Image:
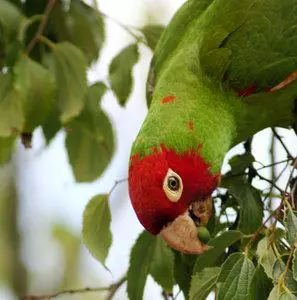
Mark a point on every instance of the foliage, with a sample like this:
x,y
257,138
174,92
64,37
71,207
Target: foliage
x,y
45,52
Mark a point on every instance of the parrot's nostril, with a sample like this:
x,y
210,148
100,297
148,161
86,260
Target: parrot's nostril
x,y
194,218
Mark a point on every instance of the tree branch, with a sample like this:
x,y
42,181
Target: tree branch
x,y
36,38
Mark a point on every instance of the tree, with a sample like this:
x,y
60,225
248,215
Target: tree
x,y
46,46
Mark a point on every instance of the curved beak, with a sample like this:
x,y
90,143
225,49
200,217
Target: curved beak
x,y
182,233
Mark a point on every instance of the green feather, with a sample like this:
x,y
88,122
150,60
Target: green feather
x,y
208,51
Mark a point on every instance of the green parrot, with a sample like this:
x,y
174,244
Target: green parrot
x,y
222,71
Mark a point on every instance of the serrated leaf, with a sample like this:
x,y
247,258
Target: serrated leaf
x,y
266,256
152,34
6,148
203,282
240,272
11,106
120,72
240,163
146,254
37,84
10,17
90,140
219,244
249,200
70,73
291,226
260,286
96,234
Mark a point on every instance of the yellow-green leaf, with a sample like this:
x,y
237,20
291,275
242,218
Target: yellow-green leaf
x,y
70,73
11,106
96,234
6,148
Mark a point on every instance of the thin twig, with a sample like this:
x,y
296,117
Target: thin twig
x,y
114,287
116,183
111,289
65,292
282,143
125,27
271,182
47,11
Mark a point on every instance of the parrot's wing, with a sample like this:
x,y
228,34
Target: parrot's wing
x,y
240,43
172,37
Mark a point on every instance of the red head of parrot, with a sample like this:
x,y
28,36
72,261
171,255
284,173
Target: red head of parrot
x,y
163,187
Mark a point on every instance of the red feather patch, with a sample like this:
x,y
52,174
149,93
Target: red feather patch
x,y
168,99
146,176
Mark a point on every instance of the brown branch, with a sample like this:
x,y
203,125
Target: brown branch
x,y
111,289
36,38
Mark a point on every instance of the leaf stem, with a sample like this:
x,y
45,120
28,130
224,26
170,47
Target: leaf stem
x,y
282,143
37,36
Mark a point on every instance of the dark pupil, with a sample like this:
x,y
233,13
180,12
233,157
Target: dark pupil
x,y
173,183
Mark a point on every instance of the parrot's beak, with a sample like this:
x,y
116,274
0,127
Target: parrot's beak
x,y
182,233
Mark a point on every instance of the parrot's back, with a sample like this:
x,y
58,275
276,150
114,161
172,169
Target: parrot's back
x,y
241,43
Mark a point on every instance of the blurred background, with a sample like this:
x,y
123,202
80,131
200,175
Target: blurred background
x,y
40,225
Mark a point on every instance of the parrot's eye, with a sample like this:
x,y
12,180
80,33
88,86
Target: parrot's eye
x,y
173,186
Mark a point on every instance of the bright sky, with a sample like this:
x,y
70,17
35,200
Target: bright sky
x,y
47,187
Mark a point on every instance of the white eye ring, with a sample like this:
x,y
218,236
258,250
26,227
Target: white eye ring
x,y
172,186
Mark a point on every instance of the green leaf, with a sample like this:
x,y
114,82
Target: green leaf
x,y
183,270
70,74
203,282
96,234
260,286
240,163
152,34
82,25
219,244
240,270
10,17
162,265
291,226
6,148
146,258
52,124
11,110
120,72
38,85
266,256
249,200
90,140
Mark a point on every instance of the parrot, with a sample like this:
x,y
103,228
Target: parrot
x,y
221,71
